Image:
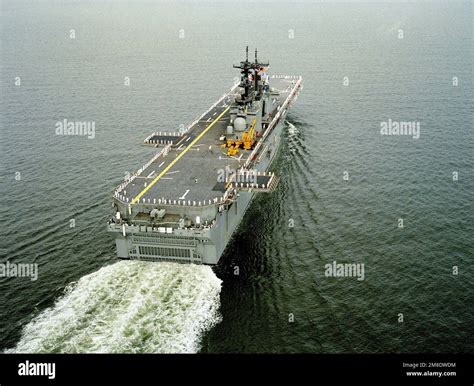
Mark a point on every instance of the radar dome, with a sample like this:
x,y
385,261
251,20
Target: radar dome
x,y
240,124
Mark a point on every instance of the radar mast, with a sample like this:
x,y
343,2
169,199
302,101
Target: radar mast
x,y
250,79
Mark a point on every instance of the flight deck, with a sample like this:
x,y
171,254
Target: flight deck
x,y
187,170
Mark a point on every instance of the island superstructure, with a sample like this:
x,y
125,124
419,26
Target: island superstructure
x,y
185,203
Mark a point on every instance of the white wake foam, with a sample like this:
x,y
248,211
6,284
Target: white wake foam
x,y
292,128
131,307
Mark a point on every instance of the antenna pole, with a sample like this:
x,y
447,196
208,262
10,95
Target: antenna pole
x,y
255,72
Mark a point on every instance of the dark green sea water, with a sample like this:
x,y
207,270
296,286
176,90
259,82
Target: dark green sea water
x,y
332,129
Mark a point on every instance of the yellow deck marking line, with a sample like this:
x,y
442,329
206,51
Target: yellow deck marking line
x,y
178,157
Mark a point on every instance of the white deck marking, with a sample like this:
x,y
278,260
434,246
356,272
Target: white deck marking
x,y
149,175
161,164
184,195
180,146
167,178
176,171
188,139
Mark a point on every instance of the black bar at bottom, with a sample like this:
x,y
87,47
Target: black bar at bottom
x,y
238,369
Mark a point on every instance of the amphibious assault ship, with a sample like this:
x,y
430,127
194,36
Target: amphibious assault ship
x,y
185,203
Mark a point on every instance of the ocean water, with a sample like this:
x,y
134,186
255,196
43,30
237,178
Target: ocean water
x,y
358,72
